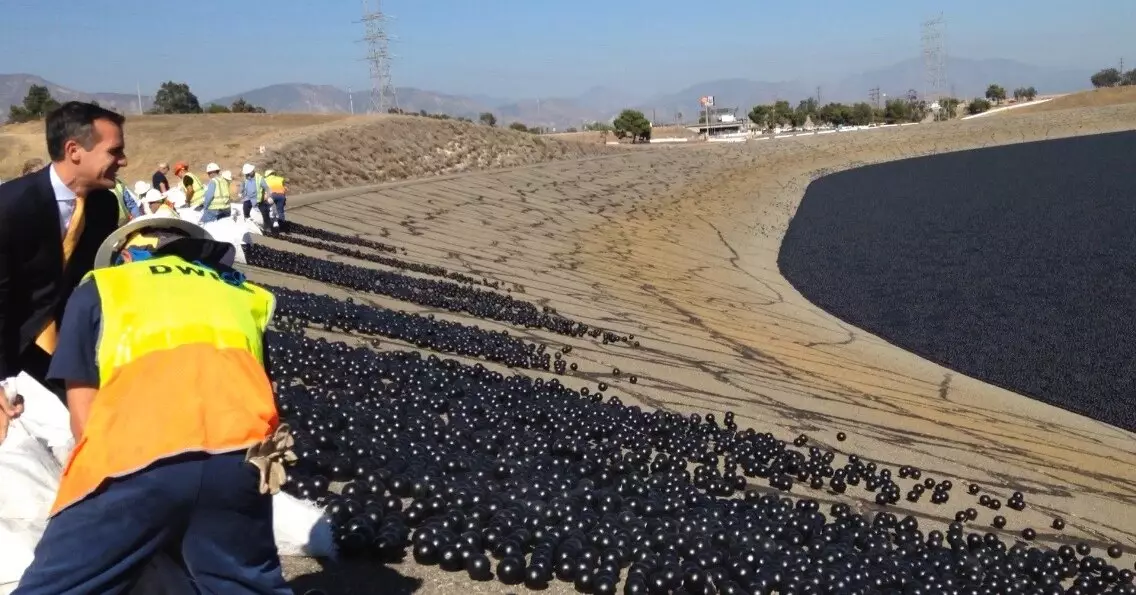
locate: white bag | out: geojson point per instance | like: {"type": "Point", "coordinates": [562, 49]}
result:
{"type": "Point", "coordinates": [31, 463]}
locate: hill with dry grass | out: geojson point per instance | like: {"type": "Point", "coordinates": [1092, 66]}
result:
{"type": "Point", "coordinates": [390, 148]}
{"type": "Point", "coordinates": [1094, 98]}
{"type": "Point", "coordinates": [317, 151]}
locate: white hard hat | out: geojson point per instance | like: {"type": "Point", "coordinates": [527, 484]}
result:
{"type": "Point", "coordinates": [153, 195]}
{"type": "Point", "coordinates": [269, 172]}
{"type": "Point", "coordinates": [141, 187]}
{"type": "Point", "coordinates": [212, 167]}
{"type": "Point", "coordinates": [247, 169]}
{"type": "Point", "coordinates": [121, 237]}
{"type": "Point", "coordinates": [228, 175]}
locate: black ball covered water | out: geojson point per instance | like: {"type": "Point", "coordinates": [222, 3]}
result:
{"type": "Point", "coordinates": [459, 465]}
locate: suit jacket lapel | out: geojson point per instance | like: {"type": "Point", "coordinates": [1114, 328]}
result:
{"type": "Point", "coordinates": [50, 209]}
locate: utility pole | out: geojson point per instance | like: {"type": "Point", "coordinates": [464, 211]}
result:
{"type": "Point", "coordinates": [378, 55]}
{"type": "Point", "coordinates": [139, 98]}
{"type": "Point", "coordinates": [351, 100]}
{"type": "Point", "coordinates": [818, 96]}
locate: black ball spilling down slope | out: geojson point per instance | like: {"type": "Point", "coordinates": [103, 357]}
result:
{"type": "Point", "coordinates": [296, 310]}
{"type": "Point", "coordinates": [424, 292]}
{"type": "Point", "coordinates": [526, 481]}
{"type": "Point", "coordinates": [389, 261]}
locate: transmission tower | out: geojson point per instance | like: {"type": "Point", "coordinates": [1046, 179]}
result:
{"type": "Point", "coordinates": [934, 59]}
{"type": "Point", "coordinates": [383, 96]}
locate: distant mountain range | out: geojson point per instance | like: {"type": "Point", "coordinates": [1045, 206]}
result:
{"type": "Point", "coordinates": [966, 78]}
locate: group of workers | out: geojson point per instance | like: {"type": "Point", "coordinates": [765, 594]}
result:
{"type": "Point", "coordinates": [211, 195]}
{"type": "Point", "coordinates": [178, 443]}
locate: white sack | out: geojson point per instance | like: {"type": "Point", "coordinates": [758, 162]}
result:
{"type": "Point", "coordinates": [31, 463]}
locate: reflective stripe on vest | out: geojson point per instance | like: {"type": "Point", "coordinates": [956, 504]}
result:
{"type": "Point", "coordinates": [260, 184]}
{"type": "Point", "coordinates": [123, 212]}
{"type": "Point", "coordinates": [275, 183]}
{"type": "Point", "coordinates": [175, 379]}
{"type": "Point", "coordinates": [221, 195]}
{"type": "Point", "coordinates": [198, 190]}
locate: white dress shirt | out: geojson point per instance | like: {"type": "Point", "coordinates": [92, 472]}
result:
{"type": "Point", "coordinates": [65, 198]}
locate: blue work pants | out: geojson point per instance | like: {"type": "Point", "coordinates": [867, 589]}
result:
{"type": "Point", "coordinates": [206, 510]}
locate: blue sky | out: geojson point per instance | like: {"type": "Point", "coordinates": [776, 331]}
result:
{"type": "Point", "coordinates": [532, 48]}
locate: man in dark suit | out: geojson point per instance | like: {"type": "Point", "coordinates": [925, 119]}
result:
{"type": "Point", "coordinates": [51, 224]}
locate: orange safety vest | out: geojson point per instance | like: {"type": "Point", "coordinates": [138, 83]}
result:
{"type": "Point", "coordinates": [175, 379]}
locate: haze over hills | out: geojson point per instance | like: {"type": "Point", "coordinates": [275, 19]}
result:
{"type": "Point", "coordinates": [967, 77]}
{"type": "Point", "coordinates": [13, 88]}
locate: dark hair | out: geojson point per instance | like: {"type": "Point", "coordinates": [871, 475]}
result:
{"type": "Point", "coordinates": [75, 120]}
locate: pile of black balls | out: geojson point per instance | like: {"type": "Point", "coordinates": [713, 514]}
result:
{"type": "Point", "coordinates": [526, 481]}
{"type": "Point", "coordinates": [331, 236]}
{"type": "Point", "coordinates": [389, 261]}
{"type": "Point", "coordinates": [296, 310]}
{"type": "Point", "coordinates": [433, 293]}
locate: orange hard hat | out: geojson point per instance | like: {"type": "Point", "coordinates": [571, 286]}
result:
{"type": "Point", "coordinates": [180, 165]}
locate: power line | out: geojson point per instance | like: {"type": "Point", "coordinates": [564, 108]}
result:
{"type": "Point", "coordinates": [383, 96]}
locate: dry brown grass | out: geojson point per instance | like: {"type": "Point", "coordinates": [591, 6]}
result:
{"type": "Point", "coordinates": [228, 139]}
{"type": "Point", "coordinates": [599, 138]}
{"type": "Point", "coordinates": [1094, 98]}
{"type": "Point", "coordinates": [392, 148]}
{"type": "Point", "coordinates": [316, 151]}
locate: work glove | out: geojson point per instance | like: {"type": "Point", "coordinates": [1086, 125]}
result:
{"type": "Point", "coordinates": [270, 456]}
{"type": "Point", "coordinates": [11, 405]}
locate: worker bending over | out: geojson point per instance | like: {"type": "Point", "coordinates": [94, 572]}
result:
{"type": "Point", "coordinates": [194, 187]}
{"type": "Point", "coordinates": [217, 196]}
{"type": "Point", "coordinates": [178, 443]}
{"type": "Point", "coordinates": [279, 193]}
{"type": "Point", "coordinates": [156, 203]}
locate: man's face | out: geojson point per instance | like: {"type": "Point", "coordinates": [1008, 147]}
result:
{"type": "Point", "coordinates": [165, 169]}
{"type": "Point", "coordinates": [98, 167]}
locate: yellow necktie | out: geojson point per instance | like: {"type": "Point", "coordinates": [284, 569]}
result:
{"type": "Point", "coordinates": [49, 337]}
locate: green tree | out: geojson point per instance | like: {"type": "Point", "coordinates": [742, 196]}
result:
{"type": "Point", "coordinates": [782, 113]}
{"type": "Point", "coordinates": [996, 93]}
{"type": "Point", "coordinates": [37, 104]}
{"type": "Point", "coordinates": [632, 123]}
{"type": "Point", "coordinates": [978, 106]}
{"type": "Point", "coordinates": [570, 129]}
{"type": "Point", "coordinates": [1128, 78]}
{"type": "Point", "coordinates": [175, 98]}
{"type": "Point", "coordinates": [214, 108]}
{"type": "Point", "coordinates": [948, 108]}
{"type": "Point", "coordinates": [760, 115]}
{"type": "Point", "coordinates": [487, 119]}
{"type": "Point", "coordinates": [597, 126]}
{"type": "Point", "coordinates": [519, 127]}
{"type": "Point", "coordinates": [1109, 77]}
{"type": "Point", "coordinates": [863, 114]}
{"type": "Point", "coordinates": [240, 106]}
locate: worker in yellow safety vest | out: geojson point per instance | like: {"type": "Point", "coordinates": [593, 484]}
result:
{"type": "Point", "coordinates": [160, 463]}
{"type": "Point", "coordinates": [127, 205]}
{"type": "Point", "coordinates": [278, 192]}
{"type": "Point", "coordinates": [194, 188]}
{"type": "Point", "coordinates": [254, 189]}
{"type": "Point", "coordinates": [217, 201]}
